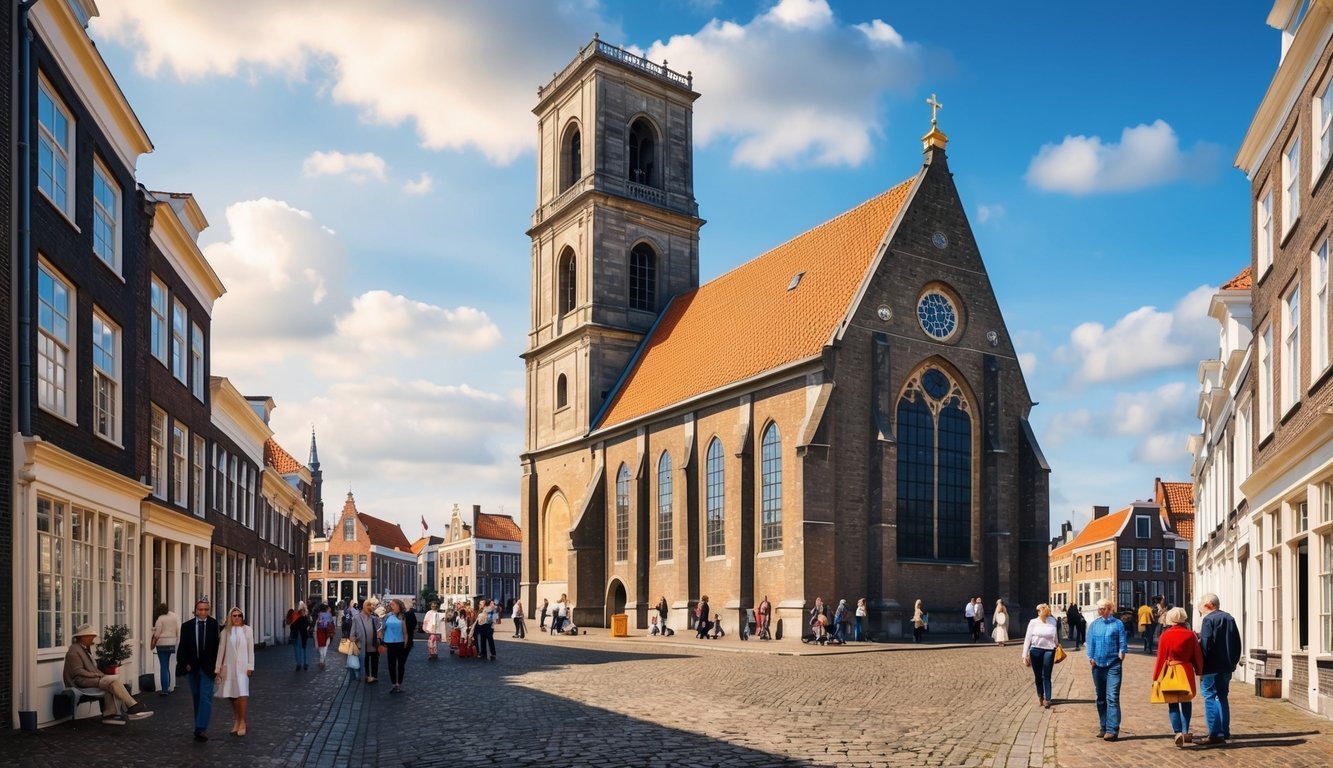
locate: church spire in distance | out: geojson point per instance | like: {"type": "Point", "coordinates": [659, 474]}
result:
{"type": "Point", "coordinates": [314, 451]}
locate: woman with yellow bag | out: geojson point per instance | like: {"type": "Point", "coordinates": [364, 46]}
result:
{"type": "Point", "coordinates": [1179, 661]}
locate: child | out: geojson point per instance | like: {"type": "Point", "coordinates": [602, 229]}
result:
{"type": "Point", "coordinates": [717, 626]}
{"type": "Point", "coordinates": [654, 631]}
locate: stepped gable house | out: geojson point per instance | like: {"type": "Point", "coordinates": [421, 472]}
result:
{"type": "Point", "coordinates": [842, 416]}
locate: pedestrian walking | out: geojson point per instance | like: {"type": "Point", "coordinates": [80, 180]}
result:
{"type": "Point", "coordinates": [546, 606]}
{"type": "Point", "coordinates": [1000, 623]}
{"type": "Point", "coordinates": [819, 621]}
{"type": "Point", "coordinates": [859, 634]}
{"type": "Point", "coordinates": [1076, 626]}
{"type": "Point", "coordinates": [1147, 625]}
{"type": "Point", "coordinates": [1107, 642]}
{"type": "Point", "coordinates": [81, 671]}
{"type": "Point", "coordinates": [1179, 649]}
{"type": "Point", "coordinates": [662, 610]}
{"type": "Point", "coordinates": [166, 633]}
{"type": "Point", "coordinates": [196, 657]}
{"type": "Point", "coordinates": [394, 633]}
{"type": "Point", "coordinates": [520, 621]}
{"type": "Point", "coordinates": [979, 613]}
{"type": "Point", "coordinates": [323, 633]}
{"type": "Point", "coordinates": [1039, 642]}
{"type": "Point", "coordinates": [1219, 642]}
{"type": "Point", "coordinates": [299, 632]}
{"type": "Point", "coordinates": [701, 618]}
{"type": "Point", "coordinates": [365, 631]}
{"type": "Point", "coordinates": [433, 626]}
{"type": "Point", "coordinates": [840, 621]}
{"type": "Point", "coordinates": [561, 614]}
{"type": "Point", "coordinates": [485, 631]}
{"type": "Point", "coordinates": [235, 665]}
{"type": "Point", "coordinates": [970, 613]}
{"type": "Point", "coordinates": [920, 621]}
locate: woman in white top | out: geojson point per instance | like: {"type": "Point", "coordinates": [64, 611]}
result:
{"type": "Point", "coordinates": [1039, 652]}
{"type": "Point", "coordinates": [433, 626]}
{"type": "Point", "coordinates": [236, 662]}
{"type": "Point", "coordinates": [166, 632]}
{"type": "Point", "coordinates": [561, 613]}
{"type": "Point", "coordinates": [1000, 621]}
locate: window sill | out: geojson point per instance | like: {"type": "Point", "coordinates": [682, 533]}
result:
{"type": "Point", "coordinates": [114, 442]}
{"type": "Point", "coordinates": [773, 553]}
{"type": "Point", "coordinates": [1288, 232]}
{"type": "Point", "coordinates": [112, 268]}
{"type": "Point", "coordinates": [1323, 379]}
{"type": "Point", "coordinates": [1265, 272]}
{"type": "Point", "coordinates": [715, 558]}
{"type": "Point", "coordinates": [1291, 411]}
{"type": "Point", "coordinates": [57, 414]}
{"type": "Point", "coordinates": [69, 218]}
{"type": "Point", "coordinates": [1319, 176]}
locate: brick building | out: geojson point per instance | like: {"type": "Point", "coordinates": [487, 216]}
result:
{"type": "Point", "coordinates": [360, 556]}
{"type": "Point", "coordinates": [1176, 501]}
{"type": "Point", "coordinates": [481, 559]}
{"type": "Point", "coordinates": [8, 88]}
{"type": "Point", "coordinates": [843, 416]}
{"type": "Point", "coordinates": [1285, 571]}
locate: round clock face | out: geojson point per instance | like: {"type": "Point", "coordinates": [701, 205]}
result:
{"type": "Point", "coordinates": [937, 315]}
{"type": "Point", "coordinates": [939, 240]}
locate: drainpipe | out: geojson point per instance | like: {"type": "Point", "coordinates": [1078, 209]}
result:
{"type": "Point", "coordinates": [25, 261]}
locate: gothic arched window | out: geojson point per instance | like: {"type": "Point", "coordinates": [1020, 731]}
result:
{"type": "Point", "coordinates": [642, 148]}
{"type": "Point", "coordinates": [665, 548]}
{"type": "Point", "coordinates": [934, 469]}
{"type": "Point", "coordinates": [571, 158]}
{"type": "Point", "coordinates": [642, 277]}
{"type": "Point", "coordinates": [715, 543]}
{"type": "Point", "coordinates": [770, 520]}
{"type": "Point", "coordinates": [561, 391]}
{"type": "Point", "coordinates": [567, 275]}
{"type": "Point", "coordinates": [622, 514]}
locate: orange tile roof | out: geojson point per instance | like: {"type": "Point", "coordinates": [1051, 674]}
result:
{"type": "Point", "coordinates": [1101, 529]}
{"type": "Point", "coordinates": [279, 459]}
{"type": "Point", "coordinates": [1176, 498]}
{"type": "Point", "coordinates": [500, 527]}
{"type": "Point", "coordinates": [382, 532]}
{"type": "Point", "coordinates": [1241, 282]}
{"type": "Point", "coordinates": [747, 322]}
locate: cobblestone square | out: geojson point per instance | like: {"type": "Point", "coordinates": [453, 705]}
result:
{"type": "Point", "coordinates": [639, 701]}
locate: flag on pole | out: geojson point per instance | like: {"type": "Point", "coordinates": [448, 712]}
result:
{"type": "Point", "coordinates": [424, 527]}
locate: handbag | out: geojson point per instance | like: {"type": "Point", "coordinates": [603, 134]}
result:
{"type": "Point", "coordinates": [1174, 679]}
{"type": "Point", "coordinates": [1060, 654]}
{"type": "Point", "coordinates": [347, 647]}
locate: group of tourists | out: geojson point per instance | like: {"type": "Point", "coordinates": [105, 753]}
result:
{"type": "Point", "coordinates": [559, 614]}
{"type": "Point", "coordinates": [833, 626]}
{"type": "Point", "coordinates": [1186, 663]}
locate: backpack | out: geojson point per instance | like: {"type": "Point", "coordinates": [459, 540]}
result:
{"type": "Point", "coordinates": [698, 610]}
{"type": "Point", "coordinates": [324, 622]}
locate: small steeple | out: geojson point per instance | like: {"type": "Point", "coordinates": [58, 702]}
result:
{"type": "Point", "coordinates": [314, 452]}
{"type": "Point", "coordinates": [936, 138]}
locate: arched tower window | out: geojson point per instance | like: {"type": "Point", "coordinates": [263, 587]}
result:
{"type": "Point", "coordinates": [622, 514]}
{"type": "Point", "coordinates": [561, 391]}
{"type": "Point", "coordinates": [715, 543]}
{"type": "Point", "coordinates": [770, 521]}
{"type": "Point", "coordinates": [665, 550]}
{"type": "Point", "coordinates": [568, 274]}
{"type": "Point", "coordinates": [349, 528]}
{"type": "Point", "coordinates": [571, 157]}
{"type": "Point", "coordinates": [642, 152]}
{"type": "Point", "coordinates": [642, 278]}
{"type": "Point", "coordinates": [934, 469]}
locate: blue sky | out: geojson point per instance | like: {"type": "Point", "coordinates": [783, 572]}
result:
{"type": "Point", "coordinates": [368, 173]}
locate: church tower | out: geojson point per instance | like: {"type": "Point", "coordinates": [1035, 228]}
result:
{"type": "Point", "coordinates": [615, 235]}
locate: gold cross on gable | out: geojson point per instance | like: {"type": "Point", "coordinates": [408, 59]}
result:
{"type": "Point", "coordinates": [935, 107]}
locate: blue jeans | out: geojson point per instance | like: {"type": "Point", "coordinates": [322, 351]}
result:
{"type": "Point", "coordinates": [1043, 661]}
{"type": "Point", "coordinates": [1180, 716]}
{"type": "Point", "coordinates": [856, 635]}
{"type": "Point", "coordinates": [1149, 632]}
{"type": "Point", "coordinates": [164, 664]}
{"type": "Point", "coordinates": [201, 695]}
{"type": "Point", "coordinates": [1216, 707]}
{"type": "Point", "coordinates": [302, 658]}
{"type": "Point", "coordinates": [1106, 680]}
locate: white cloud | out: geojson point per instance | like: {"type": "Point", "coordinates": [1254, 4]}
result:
{"type": "Point", "coordinates": [1144, 340]}
{"type": "Point", "coordinates": [1027, 361]}
{"type": "Point", "coordinates": [357, 167]}
{"type": "Point", "coordinates": [421, 185]}
{"type": "Point", "coordinates": [1141, 413]}
{"type": "Point", "coordinates": [1147, 155]}
{"type": "Point", "coordinates": [382, 321]}
{"type": "Point", "coordinates": [1066, 425]}
{"type": "Point", "coordinates": [987, 212]}
{"type": "Point", "coordinates": [794, 85]}
{"type": "Point", "coordinates": [1164, 448]}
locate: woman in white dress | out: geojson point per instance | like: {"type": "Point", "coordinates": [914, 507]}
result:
{"type": "Point", "coordinates": [1000, 621]}
{"type": "Point", "coordinates": [236, 662]}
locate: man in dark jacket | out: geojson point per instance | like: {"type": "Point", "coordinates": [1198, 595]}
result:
{"type": "Point", "coordinates": [196, 656]}
{"type": "Point", "coordinates": [1220, 640]}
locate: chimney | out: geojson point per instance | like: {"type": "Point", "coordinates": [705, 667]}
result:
{"type": "Point", "coordinates": [1100, 512]}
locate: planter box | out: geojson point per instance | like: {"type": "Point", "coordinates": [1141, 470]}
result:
{"type": "Point", "coordinates": [1268, 687]}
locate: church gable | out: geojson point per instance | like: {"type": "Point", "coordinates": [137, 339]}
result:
{"type": "Point", "coordinates": [779, 308]}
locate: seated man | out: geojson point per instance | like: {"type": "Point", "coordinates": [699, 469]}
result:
{"type": "Point", "coordinates": [82, 672]}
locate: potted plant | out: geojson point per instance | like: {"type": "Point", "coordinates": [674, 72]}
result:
{"type": "Point", "coordinates": [112, 649]}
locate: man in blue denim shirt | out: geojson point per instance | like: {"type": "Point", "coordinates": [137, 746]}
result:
{"type": "Point", "coordinates": [1107, 642]}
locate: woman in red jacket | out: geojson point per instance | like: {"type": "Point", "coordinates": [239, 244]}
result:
{"type": "Point", "coordinates": [1179, 643]}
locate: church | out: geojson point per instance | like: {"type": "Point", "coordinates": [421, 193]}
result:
{"type": "Point", "coordinates": [843, 416]}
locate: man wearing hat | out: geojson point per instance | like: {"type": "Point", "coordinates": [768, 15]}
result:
{"type": "Point", "coordinates": [82, 672]}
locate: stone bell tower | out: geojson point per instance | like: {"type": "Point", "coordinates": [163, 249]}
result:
{"type": "Point", "coordinates": [615, 235]}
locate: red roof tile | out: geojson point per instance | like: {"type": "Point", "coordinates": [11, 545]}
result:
{"type": "Point", "coordinates": [499, 527]}
{"type": "Point", "coordinates": [384, 533]}
{"type": "Point", "coordinates": [1101, 529]}
{"type": "Point", "coordinates": [1241, 282]}
{"type": "Point", "coordinates": [279, 459]}
{"type": "Point", "coordinates": [751, 320]}
{"type": "Point", "coordinates": [1177, 502]}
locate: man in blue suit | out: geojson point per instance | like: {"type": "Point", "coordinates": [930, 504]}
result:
{"type": "Point", "coordinates": [196, 656]}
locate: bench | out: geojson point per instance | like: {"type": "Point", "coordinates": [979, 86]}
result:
{"type": "Point", "coordinates": [67, 701]}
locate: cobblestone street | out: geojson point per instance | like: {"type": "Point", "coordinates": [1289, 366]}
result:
{"type": "Point", "coordinates": [594, 700]}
